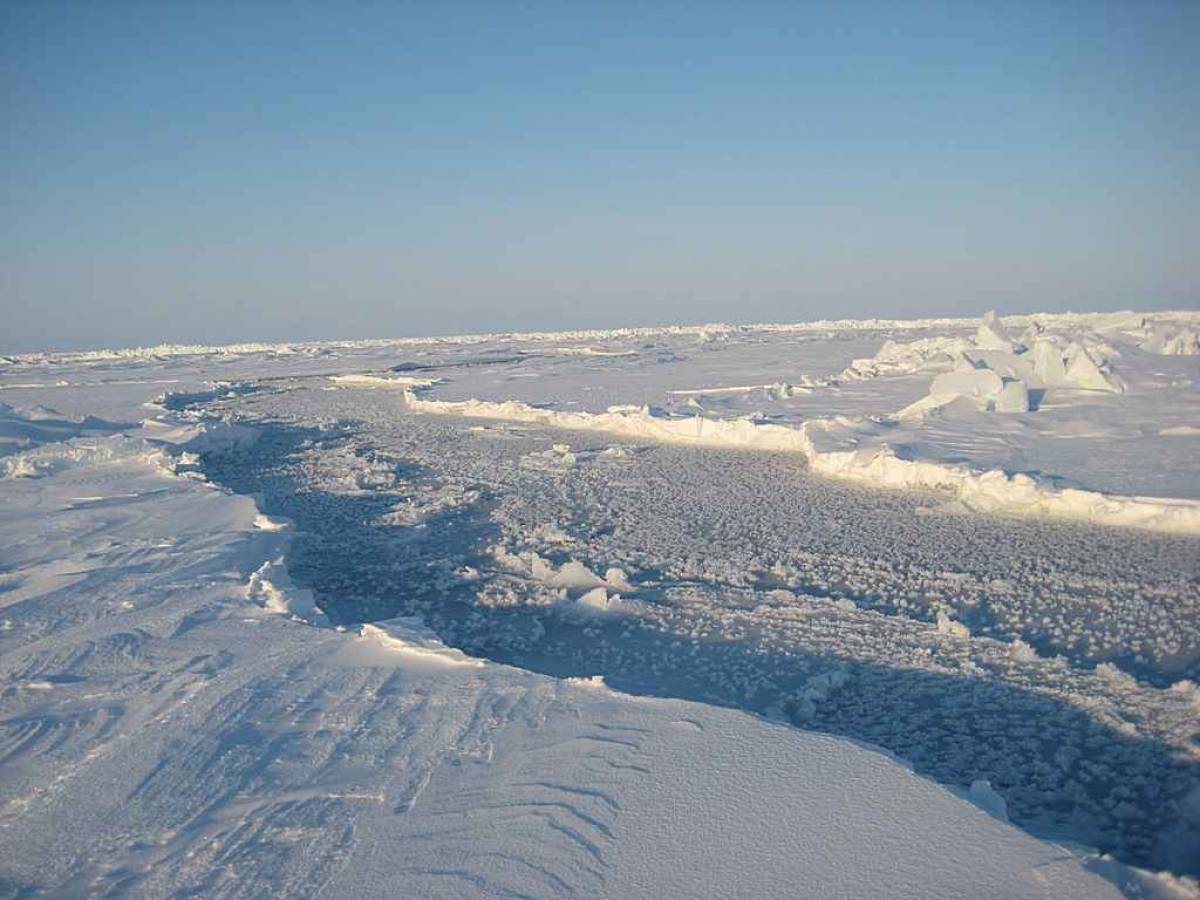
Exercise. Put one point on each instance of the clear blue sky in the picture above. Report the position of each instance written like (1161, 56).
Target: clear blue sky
(191, 171)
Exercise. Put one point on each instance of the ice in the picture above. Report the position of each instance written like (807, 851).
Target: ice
(980, 383)
(597, 598)
(616, 579)
(179, 730)
(368, 380)
(946, 625)
(411, 643)
(992, 491)
(984, 388)
(271, 586)
(1085, 372)
(991, 334)
(983, 795)
(1170, 341)
(574, 575)
(1071, 359)
(451, 630)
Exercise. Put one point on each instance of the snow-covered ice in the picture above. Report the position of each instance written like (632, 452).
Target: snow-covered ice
(876, 608)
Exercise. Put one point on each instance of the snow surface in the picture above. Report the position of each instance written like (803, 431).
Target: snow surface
(162, 736)
(533, 622)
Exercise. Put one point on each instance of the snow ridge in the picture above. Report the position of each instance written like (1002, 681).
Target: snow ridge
(991, 491)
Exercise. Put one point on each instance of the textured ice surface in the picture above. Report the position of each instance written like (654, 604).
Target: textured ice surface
(553, 645)
(750, 578)
(162, 734)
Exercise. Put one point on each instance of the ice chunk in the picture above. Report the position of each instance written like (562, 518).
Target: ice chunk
(946, 625)
(1013, 397)
(1062, 363)
(1083, 371)
(991, 334)
(1021, 651)
(596, 598)
(617, 579)
(982, 388)
(271, 586)
(981, 383)
(983, 795)
(394, 382)
(1048, 362)
(575, 575)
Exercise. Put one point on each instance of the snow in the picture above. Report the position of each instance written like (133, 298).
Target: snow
(166, 730)
(407, 639)
(271, 587)
(494, 616)
(23, 429)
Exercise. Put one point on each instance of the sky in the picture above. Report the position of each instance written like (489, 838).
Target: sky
(211, 172)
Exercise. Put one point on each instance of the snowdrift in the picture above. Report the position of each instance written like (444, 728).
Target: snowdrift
(24, 429)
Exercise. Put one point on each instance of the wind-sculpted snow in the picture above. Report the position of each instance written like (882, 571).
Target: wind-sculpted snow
(741, 581)
(324, 624)
(163, 735)
(25, 429)
(410, 640)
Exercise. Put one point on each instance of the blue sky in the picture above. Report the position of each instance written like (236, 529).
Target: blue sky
(217, 171)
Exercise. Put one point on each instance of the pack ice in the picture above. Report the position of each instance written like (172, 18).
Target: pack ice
(875, 608)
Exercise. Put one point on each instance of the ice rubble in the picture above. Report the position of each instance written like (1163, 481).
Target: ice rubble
(982, 388)
(993, 491)
(570, 578)
(991, 335)
(1167, 340)
(1074, 321)
(51, 443)
(991, 371)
